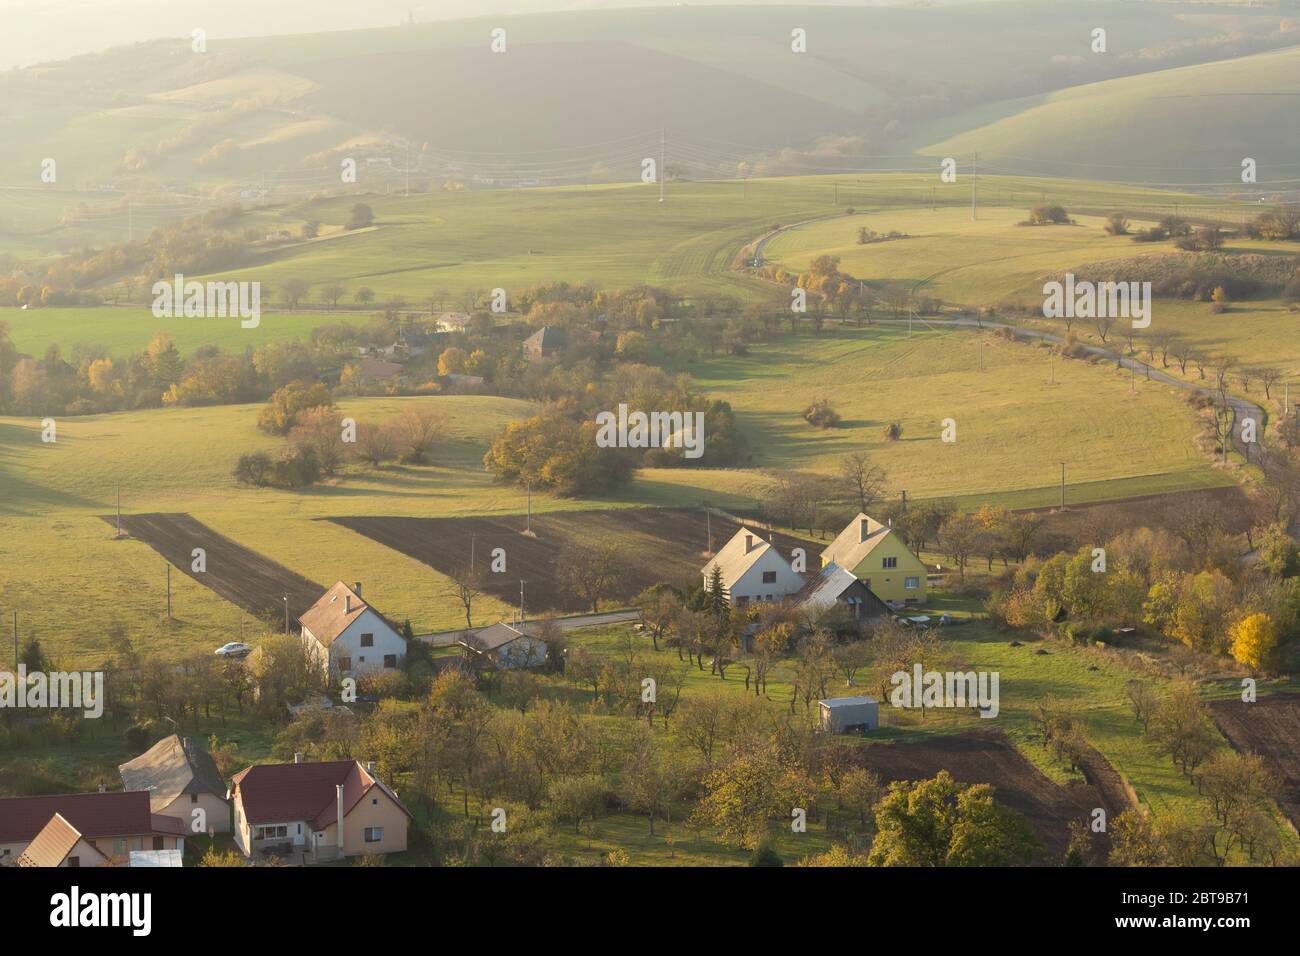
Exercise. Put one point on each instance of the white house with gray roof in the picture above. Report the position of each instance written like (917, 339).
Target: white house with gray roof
(753, 571)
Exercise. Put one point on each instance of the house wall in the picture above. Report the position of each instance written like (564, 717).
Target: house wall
(374, 810)
(512, 654)
(216, 810)
(348, 644)
(889, 584)
(835, 719)
(87, 855)
(750, 584)
(318, 652)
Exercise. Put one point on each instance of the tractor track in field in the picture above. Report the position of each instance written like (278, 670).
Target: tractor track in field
(239, 575)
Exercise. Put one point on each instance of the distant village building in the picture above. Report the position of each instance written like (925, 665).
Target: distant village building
(180, 778)
(453, 321)
(752, 570)
(347, 637)
(544, 343)
(372, 371)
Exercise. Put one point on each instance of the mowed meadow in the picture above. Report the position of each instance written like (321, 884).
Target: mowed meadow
(995, 259)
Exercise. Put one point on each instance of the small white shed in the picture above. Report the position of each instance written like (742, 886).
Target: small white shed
(849, 715)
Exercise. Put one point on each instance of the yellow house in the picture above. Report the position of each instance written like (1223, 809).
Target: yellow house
(880, 560)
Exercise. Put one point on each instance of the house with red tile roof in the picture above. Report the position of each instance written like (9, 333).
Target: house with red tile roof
(347, 637)
(110, 824)
(316, 812)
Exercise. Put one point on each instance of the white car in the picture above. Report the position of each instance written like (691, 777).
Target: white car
(233, 649)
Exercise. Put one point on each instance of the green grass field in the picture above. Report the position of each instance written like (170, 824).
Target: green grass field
(1014, 426)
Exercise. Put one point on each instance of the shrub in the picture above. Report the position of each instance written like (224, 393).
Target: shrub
(893, 431)
(821, 414)
(1048, 213)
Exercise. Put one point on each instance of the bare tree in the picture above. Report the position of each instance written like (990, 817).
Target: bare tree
(419, 431)
(375, 444)
(467, 585)
(866, 480)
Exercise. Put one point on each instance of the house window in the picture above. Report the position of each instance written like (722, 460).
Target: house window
(889, 563)
(345, 663)
(137, 843)
(911, 583)
(374, 834)
(277, 832)
(390, 660)
(769, 577)
(194, 798)
(367, 640)
(158, 843)
(74, 861)
(769, 597)
(119, 846)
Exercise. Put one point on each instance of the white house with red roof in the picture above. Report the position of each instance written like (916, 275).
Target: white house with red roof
(83, 829)
(318, 811)
(347, 637)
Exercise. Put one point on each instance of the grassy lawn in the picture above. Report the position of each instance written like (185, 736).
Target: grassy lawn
(1014, 425)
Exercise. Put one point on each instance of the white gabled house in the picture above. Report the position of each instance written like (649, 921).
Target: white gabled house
(347, 637)
(753, 571)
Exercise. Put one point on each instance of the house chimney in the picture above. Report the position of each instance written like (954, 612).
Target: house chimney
(338, 792)
(749, 542)
(297, 758)
(347, 604)
(356, 588)
(863, 532)
(370, 767)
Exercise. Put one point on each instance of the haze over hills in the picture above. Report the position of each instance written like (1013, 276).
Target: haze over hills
(582, 96)
(38, 31)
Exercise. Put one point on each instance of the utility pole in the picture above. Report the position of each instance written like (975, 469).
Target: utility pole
(286, 614)
(521, 601)
(663, 160)
(974, 181)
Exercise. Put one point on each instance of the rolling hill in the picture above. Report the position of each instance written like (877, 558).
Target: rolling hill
(1193, 125)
